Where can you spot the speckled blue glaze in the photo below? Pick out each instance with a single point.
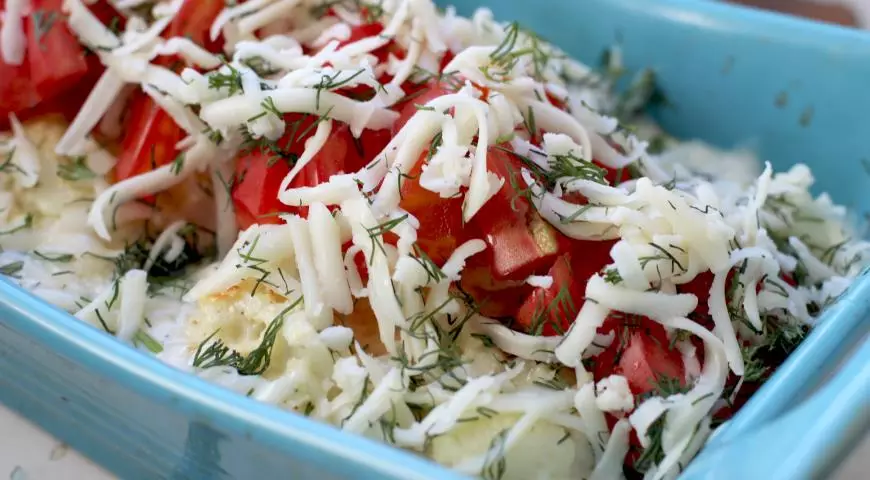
(794, 90)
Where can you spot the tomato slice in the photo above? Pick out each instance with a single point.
(57, 61)
(522, 243)
(194, 20)
(149, 141)
(551, 310)
(641, 353)
(441, 229)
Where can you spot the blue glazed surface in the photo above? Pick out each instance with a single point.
(796, 91)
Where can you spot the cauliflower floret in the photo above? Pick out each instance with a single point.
(543, 452)
(613, 395)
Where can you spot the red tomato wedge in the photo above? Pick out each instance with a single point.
(641, 353)
(522, 243)
(194, 20)
(497, 299)
(441, 229)
(259, 174)
(551, 310)
(149, 141)
(255, 191)
(57, 61)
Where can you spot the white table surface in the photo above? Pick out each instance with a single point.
(28, 453)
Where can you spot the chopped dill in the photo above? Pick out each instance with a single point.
(42, 24)
(612, 276)
(495, 462)
(148, 342)
(433, 272)
(7, 163)
(75, 170)
(27, 223)
(60, 258)
(254, 363)
(177, 164)
(11, 269)
(231, 81)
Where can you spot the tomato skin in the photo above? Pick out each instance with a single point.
(258, 177)
(441, 229)
(194, 20)
(333, 158)
(56, 59)
(522, 243)
(149, 139)
(550, 311)
(370, 144)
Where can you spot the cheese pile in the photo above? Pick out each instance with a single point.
(432, 376)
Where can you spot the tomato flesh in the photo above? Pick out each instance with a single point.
(641, 353)
(522, 243)
(55, 57)
(256, 182)
(551, 310)
(194, 19)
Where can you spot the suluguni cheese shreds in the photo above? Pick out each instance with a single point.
(430, 230)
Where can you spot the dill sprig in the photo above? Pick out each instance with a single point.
(7, 163)
(11, 269)
(332, 82)
(231, 81)
(43, 22)
(755, 368)
(643, 92)
(495, 461)
(664, 255)
(147, 341)
(612, 276)
(560, 307)
(27, 223)
(433, 271)
(363, 396)
(511, 49)
(381, 229)
(60, 258)
(178, 164)
(256, 362)
(75, 170)
(654, 452)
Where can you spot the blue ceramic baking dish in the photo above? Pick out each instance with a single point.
(795, 90)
